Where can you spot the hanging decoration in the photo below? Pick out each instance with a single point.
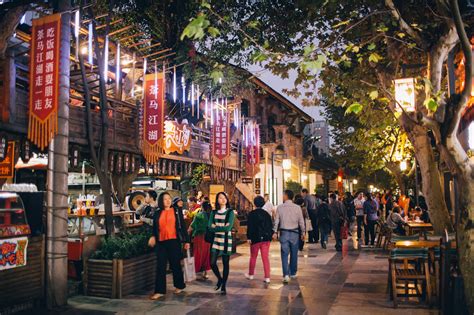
(117, 69)
(221, 136)
(77, 25)
(198, 99)
(177, 137)
(106, 59)
(174, 84)
(44, 80)
(133, 74)
(153, 119)
(252, 147)
(192, 98)
(89, 44)
(206, 112)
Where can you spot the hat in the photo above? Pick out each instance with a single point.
(176, 199)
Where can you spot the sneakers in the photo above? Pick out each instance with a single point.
(294, 276)
(267, 280)
(286, 279)
(249, 277)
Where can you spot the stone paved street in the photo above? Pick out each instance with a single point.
(353, 282)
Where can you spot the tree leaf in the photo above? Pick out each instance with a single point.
(374, 57)
(431, 104)
(216, 75)
(355, 108)
(371, 46)
(374, 95)
(341, 24)
(214, 32)
(206, 5)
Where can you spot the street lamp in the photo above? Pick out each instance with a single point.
(405, 94)
(355, 181)
(403, 166)
(286, 163)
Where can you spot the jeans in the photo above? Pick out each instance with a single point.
(370, 229)
(289, 243)
(360, 224)
(324, 229)
(168, 251)
(264, 248)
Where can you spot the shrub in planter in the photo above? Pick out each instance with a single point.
(123, 264)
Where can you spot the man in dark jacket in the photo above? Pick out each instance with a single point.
(259, 236)
(338, 219)
(324, 222)
(311, 205)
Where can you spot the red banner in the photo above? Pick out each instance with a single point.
(44, 79)
(153, 116)
(252, 143)
(221, 135)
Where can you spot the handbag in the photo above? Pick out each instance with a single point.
(309, 226)
(344, 232)
(188, 269)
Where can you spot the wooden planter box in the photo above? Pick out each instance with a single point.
(119, 277)
(23, 287)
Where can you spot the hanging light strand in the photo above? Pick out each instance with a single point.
(133, 75)
(77, 25)
(106, 58)
(192, 98)
(174, 84)
(89, 45)
(117, 69)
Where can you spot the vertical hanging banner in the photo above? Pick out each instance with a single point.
(44, 80)
(221, 135)
(153, 116)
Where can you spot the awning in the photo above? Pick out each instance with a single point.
(245, 190)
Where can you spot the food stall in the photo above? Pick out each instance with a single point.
(21, 255)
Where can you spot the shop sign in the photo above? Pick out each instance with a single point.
(26, 151)
(3, 146)
(153, 116)
(177, 137)
(252, 143)
(7, 165)
(221, 136)
(247, 180)
(13, 252)
(44, 79)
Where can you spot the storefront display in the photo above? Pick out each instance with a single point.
(13, 220)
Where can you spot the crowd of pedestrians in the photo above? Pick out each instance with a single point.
(210, 230)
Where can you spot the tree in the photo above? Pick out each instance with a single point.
(380, 37)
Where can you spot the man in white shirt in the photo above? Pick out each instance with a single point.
(269, 206)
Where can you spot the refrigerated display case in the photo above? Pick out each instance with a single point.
(13, 221)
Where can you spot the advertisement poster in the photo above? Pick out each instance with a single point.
(13, 252)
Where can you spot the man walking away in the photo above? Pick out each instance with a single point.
(324, 222)
(269, 206)
(338, 219)
(290, 222)
(311, 206)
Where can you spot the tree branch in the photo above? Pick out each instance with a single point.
(404, 25)
(8, 24)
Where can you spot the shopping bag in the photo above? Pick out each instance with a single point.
(188, 268)
(344, 232)
(309, 226)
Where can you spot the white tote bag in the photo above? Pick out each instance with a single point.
(188, 268)
(309, 226)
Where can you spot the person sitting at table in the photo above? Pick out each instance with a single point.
(396, 222)
(425, 216)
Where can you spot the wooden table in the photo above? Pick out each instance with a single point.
(417, 244)
(418, 227)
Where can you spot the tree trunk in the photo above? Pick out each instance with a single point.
(122, 183)
(431, 179)
(465, 236)
(8, 23)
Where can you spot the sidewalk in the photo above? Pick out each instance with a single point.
(351, 282)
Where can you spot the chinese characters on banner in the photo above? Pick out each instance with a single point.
(177, 137)
(252, 148)
(44, 79)
(13, 252)
(8, 163)
(153, 116)
(221, 135)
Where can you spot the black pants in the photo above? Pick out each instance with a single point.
(370, 229)
(168, 251)
(225, 273)
(336, 228)
(360, 223)
(313, 236)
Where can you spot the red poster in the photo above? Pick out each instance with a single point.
(44, 79)
(221, 135)
(252, 148)
(153, 116)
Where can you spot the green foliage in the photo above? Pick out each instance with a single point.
(126, 245)
(198, 174)
(355, 108)
(293, 186)
(196, 27)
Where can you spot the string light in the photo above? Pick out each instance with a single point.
(89, 44)
(133, 75)
(192, 98)
(117, 68)
(144, 77)
(205, 112)
(174, 84)
(76, 32)
(197, 100)
(183, 84)
(155, 88)
(106, 58)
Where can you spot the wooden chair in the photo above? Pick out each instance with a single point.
(409, 266)
(397, 238)
(384, 234)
